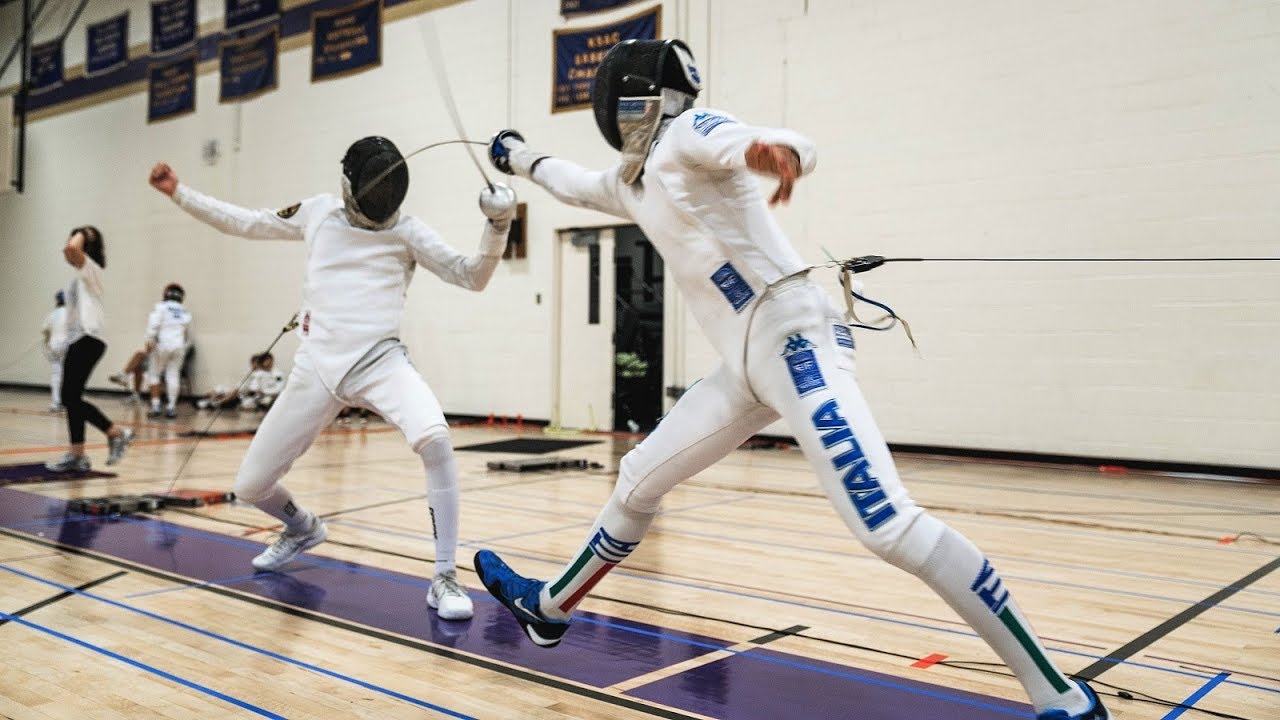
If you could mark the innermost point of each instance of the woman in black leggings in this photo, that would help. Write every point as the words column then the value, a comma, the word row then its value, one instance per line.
column 85, row 252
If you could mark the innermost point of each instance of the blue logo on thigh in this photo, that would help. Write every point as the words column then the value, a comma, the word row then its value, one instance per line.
column 805, row 373
column 734, row 288
column 864, row 490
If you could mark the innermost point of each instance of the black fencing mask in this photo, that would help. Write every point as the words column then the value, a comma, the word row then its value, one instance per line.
column 640, row 83
column 377, row 179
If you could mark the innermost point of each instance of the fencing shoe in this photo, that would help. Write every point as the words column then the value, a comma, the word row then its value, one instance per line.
column 69, row 463
column 117, row 445
column 449, row 599
column 1096, row 711
column 290, row 545
column 520, row 596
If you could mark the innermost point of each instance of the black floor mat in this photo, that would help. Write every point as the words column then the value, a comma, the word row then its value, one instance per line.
column 527, row 446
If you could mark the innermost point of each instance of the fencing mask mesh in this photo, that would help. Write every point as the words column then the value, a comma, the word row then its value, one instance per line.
column 377, row 176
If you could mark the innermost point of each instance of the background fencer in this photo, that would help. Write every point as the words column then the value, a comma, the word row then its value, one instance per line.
column 685, row 178
column 167, row 338
column 361, row 254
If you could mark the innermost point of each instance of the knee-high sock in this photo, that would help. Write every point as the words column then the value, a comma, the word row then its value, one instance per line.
column 958, row 572
column 442, row 499
column 617, row 532
column 278, row 503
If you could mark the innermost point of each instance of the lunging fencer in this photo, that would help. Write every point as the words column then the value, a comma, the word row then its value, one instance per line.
column 361, row 253
column 685, row 178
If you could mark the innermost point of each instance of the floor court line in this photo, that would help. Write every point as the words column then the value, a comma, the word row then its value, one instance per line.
column 367, row 571
column 584, row 619
column 439, row 650
column 853, row 556
column 1065, row 651
column 1071, row 566
column 1197, row 696
column 1158, row 668
column 517, row 552
column 145, row 667
column 242, row 645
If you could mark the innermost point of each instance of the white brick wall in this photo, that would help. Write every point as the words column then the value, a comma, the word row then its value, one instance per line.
column 1141, row 128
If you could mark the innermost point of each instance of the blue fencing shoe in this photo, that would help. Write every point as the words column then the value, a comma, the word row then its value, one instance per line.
column 520, row 596
column 1096, row 711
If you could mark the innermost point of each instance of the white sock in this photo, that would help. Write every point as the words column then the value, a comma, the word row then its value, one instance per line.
column 279, row 505
column 617, row 532
column 173, row 385
column 442, row 500
column 958, row 572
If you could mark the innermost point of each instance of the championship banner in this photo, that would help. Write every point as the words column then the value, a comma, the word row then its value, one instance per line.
column 241, row 13
column 173, row 24
column 107, row 45
column 171, row 88
column 248, row 66
column 578, row 53
column 46, row 66
column 581, row 7
column 346, row 40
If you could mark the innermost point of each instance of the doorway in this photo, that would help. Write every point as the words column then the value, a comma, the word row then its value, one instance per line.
column 637, row 335
column 609, row 324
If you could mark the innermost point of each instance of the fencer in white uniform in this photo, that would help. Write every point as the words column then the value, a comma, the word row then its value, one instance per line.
column 168, row 334
column 686, row 179
column 360, row 257
column 54, row 346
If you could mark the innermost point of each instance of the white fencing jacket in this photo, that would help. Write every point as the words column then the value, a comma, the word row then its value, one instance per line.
column 354, row 287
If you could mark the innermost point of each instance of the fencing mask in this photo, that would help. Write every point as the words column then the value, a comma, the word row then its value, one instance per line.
column 375, row 181
column 640, row 83
column 174, row 292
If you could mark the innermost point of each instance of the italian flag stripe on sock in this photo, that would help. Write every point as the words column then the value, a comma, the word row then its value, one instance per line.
column 572, row 573
column 578, row 594
column 1055, row 678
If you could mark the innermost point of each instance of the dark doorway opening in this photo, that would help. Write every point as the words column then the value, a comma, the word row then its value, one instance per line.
column 637, row 339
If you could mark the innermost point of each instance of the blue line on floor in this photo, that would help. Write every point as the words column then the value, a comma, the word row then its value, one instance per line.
column 1190, row 702
column 243, row 645
column 142, row 666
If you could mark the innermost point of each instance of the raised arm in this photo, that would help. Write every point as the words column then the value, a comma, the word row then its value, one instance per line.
column 468, row 271
column 711, row 139
column 569, row 182
column 285, row 224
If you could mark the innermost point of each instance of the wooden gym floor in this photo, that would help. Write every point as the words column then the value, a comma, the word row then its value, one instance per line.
column 748, row 599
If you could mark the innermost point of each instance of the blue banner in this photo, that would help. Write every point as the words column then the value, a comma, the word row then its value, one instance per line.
column 249, row 66
column 173, row 24
column 107, row 45
column 578, row 53
column 240, row 13
column 171, row 88
column 346, row 40
column 579, row 7
column 46, row 66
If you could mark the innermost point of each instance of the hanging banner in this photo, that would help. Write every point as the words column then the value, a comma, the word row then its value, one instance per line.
column 249, row 66
column 46, row 66
column 346, row 40
column 581, row 7
column 242, row 13
column 171, row 88
column 578, row 53
column 107, row 45
column 173, row 24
